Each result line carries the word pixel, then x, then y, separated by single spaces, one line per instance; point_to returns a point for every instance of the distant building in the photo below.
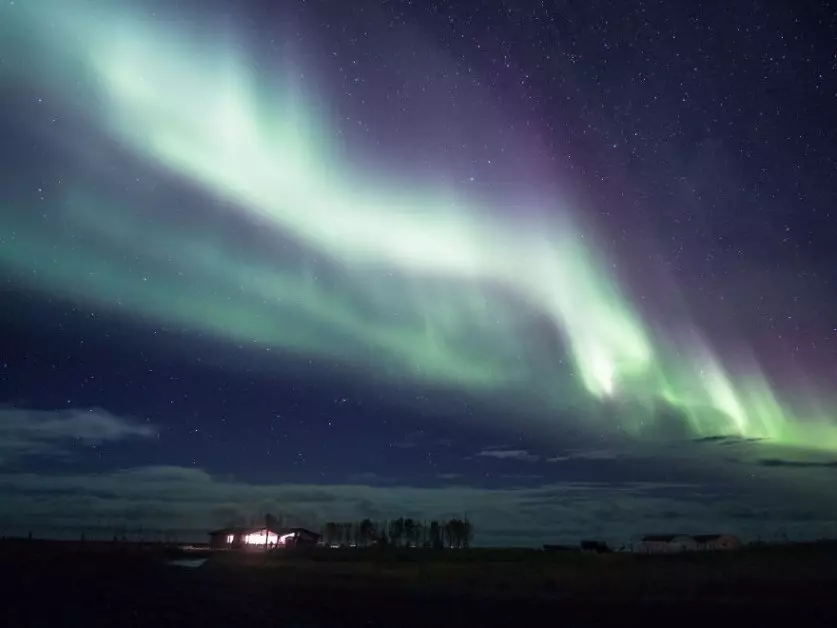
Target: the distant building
pixel 666 544
pixel 261 537
pixel 713 542
pixel 675 543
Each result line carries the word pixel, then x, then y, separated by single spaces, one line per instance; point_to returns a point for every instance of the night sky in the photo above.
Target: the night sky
pixel 567 268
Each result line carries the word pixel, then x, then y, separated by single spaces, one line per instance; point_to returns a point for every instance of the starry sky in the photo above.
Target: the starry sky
pixel 565 268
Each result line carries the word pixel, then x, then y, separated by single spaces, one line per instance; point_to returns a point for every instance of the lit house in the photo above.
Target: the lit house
pixel 261 538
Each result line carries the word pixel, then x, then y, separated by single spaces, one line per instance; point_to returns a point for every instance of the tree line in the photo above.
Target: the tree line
pixel 401 532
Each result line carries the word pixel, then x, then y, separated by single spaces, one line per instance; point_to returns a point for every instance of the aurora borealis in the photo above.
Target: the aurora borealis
pixel 215 191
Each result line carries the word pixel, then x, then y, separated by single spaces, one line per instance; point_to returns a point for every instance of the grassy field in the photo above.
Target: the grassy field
pixel 793 573
pixel 130 585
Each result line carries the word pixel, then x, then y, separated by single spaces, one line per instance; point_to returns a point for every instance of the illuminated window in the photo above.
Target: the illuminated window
pixel 261 537
pixel 230 538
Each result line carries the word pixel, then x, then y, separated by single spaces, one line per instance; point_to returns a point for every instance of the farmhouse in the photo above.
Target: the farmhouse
pixel 674 543
pixel 717 542
pixel 261 538
pixel 666 544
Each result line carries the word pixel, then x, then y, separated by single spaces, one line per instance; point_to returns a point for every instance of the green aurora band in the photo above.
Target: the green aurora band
pixel 423 284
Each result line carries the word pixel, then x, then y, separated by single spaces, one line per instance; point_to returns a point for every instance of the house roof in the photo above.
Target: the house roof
pixel 665 538
pixel 703 538
pixel 253 529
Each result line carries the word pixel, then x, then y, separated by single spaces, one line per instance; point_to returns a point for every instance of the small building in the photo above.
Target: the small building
pixel 714 542
pixel 674 543
pixel 666 544
pixel 261 538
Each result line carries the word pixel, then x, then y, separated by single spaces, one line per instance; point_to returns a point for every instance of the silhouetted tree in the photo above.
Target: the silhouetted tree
pixel 396 530
pixel 435 535
pixel 418 534
pixel 467 533
pixel 367 532
pixel 409 531
pixel 458 532
pixel 347 533
pixel 449 533
pixel 331 532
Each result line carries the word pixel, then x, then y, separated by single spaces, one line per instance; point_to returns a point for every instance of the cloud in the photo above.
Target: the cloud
pixel 726 439
pixel 187 502
pixel 718 438
pixel 798 464
pixel 509 454
pixel 369 477
pixel 26 432
pixel 582 454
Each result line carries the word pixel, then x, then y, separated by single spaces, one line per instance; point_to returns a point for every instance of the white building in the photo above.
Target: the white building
pixel 713 542
pixel 666 544
pixel 676 543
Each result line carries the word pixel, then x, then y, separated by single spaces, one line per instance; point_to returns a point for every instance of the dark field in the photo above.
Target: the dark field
pixel 64 584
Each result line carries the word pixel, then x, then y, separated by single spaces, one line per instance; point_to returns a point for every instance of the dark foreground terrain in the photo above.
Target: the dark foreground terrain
pixel 74 584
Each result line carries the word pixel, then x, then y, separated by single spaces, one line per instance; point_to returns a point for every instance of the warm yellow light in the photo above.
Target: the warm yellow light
pixel 261 537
